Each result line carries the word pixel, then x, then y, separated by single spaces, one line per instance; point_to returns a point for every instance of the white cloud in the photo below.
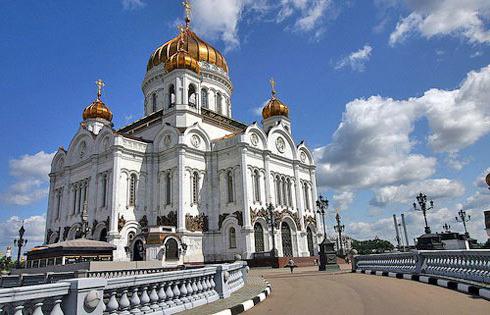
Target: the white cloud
pixel 133 4
pixel 356 60
pixel 221 18
pixel 34 231
pixel 372 147
pixel 343 199
pixel 434 188
pixel 31 179
pixel 429 18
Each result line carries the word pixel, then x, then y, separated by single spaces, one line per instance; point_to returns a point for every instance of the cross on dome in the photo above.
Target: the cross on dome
pixel 273 87
pixel 100 84
pixel 188 11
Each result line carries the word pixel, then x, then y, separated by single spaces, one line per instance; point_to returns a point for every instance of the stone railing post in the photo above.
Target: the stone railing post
pixel 85 296
pixel 221 278
pixel 419 262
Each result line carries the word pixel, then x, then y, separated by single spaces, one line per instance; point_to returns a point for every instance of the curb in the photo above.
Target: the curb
pixel 245 306
pixel 449 284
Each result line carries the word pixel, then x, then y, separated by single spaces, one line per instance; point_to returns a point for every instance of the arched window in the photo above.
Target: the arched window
pixel 171 250
pixel 171 96
pixel 195 188
pixel 168 187
pixel 192 96
pixel 278 190
pixel 307 197
pixel 59 195
pixel 287 244
pixel 309 237
pixel 103 235
pixel 288 190
pixel 219 103
pixel 132 190
pixel 204 98
pixel 229 179
pixel 284 192
pixel 104 190
pixel 154 102
pixel 139 251
pixel 256 178
pixel 232 236
pixel 259 237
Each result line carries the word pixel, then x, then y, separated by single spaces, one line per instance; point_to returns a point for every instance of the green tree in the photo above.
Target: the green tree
pixel 372 246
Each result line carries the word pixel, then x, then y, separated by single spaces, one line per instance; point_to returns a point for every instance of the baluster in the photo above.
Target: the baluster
pixel 195 289
pixel 38 308
pixel 183 292
pixel 112 304
pixel 176 294
pixel 200 288
pixel 56 307
pixel 189 290
pixel 124 303
pixel 145 300
pixel 135 301
pixel 154 298
pixel 170 295
pixel 162 296
pixel 19 308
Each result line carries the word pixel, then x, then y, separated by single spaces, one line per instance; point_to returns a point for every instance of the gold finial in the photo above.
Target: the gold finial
pixel 188 10
pixel 100 84
pixel 273 86
pixel 181 43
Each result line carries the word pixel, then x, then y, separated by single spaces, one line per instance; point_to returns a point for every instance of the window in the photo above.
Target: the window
pixel 154 102
pixel 171 96
pixel 171 250
pixel 204 98
pixel 232 236
pixel 58 203
pixel 256 179
pixel 132 190
pixel 278 191
pixel 195 188
pixel 284 192
pixel 259 237
pixel 75 191
pixel 307 197
pixel 191 95
pixel 104 190
pixel 229 178
pixel 219 103
pixel 168 187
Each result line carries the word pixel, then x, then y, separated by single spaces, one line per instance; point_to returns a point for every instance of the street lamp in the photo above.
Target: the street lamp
pixel 422 201
pixel 85 230
pixel 322 205
pixel 339 228
pixel 463 217
pixel 446 227
pixel 20 243
pixel 272 223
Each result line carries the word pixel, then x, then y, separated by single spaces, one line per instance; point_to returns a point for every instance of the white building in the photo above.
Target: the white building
pixel 186 166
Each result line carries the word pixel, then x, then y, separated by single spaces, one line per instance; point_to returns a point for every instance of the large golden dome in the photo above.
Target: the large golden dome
pixel 274 107
pixel 182 59
pixel 97 109
pixel 194 46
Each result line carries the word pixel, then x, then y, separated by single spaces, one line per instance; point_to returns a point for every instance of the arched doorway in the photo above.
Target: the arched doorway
pixel 138 251
pixel 259 237
pixel 171 250
pixel 103 235
pixel 309 237
pixel 287 244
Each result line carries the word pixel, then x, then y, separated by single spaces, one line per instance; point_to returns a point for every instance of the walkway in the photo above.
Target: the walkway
pixel 309 292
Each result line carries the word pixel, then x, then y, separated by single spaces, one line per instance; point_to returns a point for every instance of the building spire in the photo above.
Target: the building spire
pixel 188 11
pixel 100 84
pixel 273 87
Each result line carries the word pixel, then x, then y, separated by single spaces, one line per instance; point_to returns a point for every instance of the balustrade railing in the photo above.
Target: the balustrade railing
pixel 163 292
pixel 471 265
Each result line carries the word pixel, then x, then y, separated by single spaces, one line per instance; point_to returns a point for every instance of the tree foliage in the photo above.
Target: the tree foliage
pixel 372 246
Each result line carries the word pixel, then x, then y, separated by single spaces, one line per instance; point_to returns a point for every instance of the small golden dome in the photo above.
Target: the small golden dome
pixel 182 60
pixel 97 109
pixel 274 107
pixel 195 47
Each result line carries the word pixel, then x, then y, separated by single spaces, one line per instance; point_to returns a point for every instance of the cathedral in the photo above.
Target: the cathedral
pixel 186 183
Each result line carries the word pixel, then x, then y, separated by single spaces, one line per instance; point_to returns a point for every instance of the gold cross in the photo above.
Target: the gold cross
pixel 273 86
pixel 100 84
pixel 188 10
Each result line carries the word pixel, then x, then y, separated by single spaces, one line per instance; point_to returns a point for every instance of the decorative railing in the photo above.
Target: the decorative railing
pixel 470 265
pixel 159 293
pixel 35 299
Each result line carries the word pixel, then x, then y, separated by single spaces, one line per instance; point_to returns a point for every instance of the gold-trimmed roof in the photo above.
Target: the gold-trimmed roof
pixel 274 107
pixel 194 46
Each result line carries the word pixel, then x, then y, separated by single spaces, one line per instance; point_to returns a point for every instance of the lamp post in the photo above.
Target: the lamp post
pixel 85 227
pixel 322 205
pixel 272 223
pixel 463 217
pixel 446 227
pixel 327 252
pixel 339 228
pixel 422 201
pixel 20 243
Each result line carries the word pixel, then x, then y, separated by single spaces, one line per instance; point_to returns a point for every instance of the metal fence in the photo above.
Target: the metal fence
pixel 470 265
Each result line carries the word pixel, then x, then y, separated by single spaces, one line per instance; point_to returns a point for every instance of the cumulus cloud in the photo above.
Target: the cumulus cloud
pixel 133 4
pixel 343 199
pixel 30 174
pixel 372 147
pixel 434 188
pixel 465 19
pixel 301 16
pixel 356 60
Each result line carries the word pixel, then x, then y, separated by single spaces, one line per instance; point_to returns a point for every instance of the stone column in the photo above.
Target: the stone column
pixel 268 195
pixel 246 199
pixel 114 200
pixel 181 188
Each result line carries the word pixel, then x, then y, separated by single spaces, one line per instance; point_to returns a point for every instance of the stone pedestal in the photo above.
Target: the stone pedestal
pixel 429 242
pixel 328 259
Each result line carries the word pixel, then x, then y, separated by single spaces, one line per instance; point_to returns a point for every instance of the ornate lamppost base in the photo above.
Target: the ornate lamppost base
pixel 429 242
pixel 328 258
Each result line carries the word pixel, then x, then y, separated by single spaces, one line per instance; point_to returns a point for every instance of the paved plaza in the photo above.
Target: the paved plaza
pixel 309 292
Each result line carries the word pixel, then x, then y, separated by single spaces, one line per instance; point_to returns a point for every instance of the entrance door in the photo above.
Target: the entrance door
pixel 287 244
pixel 259 237
pixel 309 237
pixel 171 250
pixel 138 251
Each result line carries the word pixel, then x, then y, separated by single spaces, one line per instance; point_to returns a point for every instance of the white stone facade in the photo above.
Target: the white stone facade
pixel 188 166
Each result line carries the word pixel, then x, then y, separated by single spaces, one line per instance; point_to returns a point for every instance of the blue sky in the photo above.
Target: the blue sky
pixel 392 95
